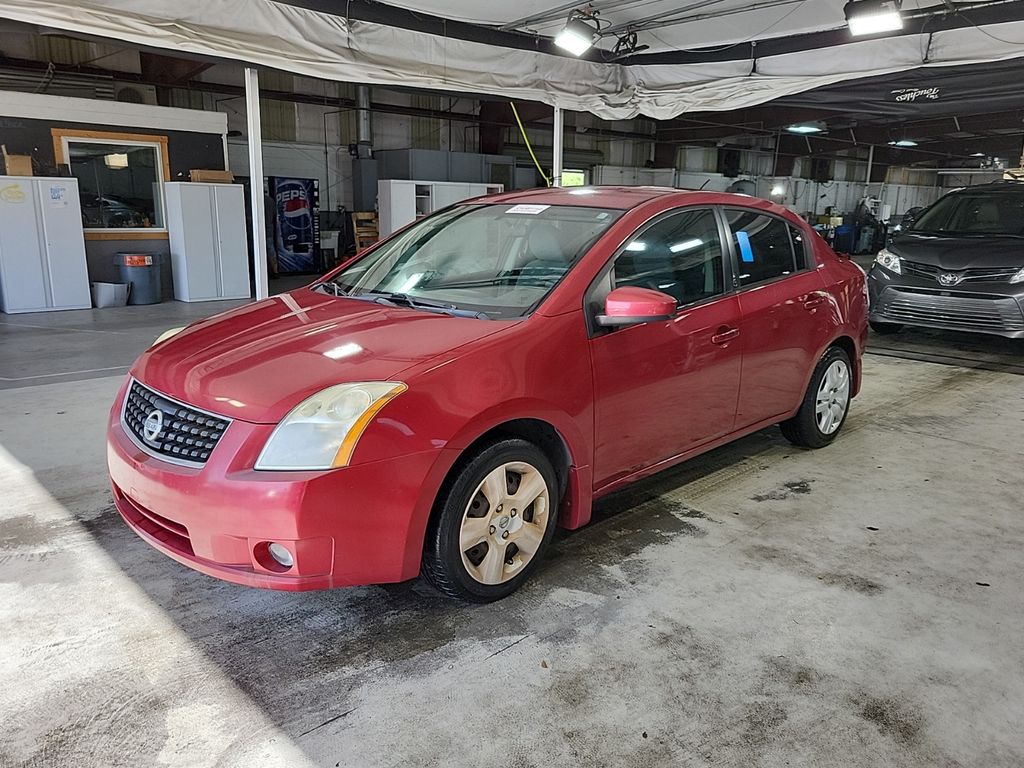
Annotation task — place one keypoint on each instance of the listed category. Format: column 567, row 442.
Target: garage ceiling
column 663, row 25
column 749, row 52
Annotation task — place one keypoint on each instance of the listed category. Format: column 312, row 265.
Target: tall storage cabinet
column 400, row 201
column 209, row 252
column 42, row 246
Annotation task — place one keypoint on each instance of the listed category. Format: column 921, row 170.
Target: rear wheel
column 826, row 402
column 492, row 525
column 885, row 328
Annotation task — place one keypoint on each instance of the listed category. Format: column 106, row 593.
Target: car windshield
column 493, row 261
column 975, row 214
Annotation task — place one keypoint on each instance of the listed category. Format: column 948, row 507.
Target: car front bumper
column 975, row 307
column 361, row 524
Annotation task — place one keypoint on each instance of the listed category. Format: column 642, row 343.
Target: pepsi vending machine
column 296, row 224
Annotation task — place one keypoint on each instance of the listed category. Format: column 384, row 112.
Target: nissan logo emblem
column 153, row 425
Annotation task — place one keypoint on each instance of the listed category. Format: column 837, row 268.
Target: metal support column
column 871, row 163
column 256, row 188
column 556, row 149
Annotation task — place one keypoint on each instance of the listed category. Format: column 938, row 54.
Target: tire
column 885, row 329
column 809, row 430
column 474, row 506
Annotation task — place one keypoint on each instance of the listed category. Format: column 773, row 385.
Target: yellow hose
column 526, row 139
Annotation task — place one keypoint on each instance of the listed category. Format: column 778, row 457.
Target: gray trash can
column 142, row 271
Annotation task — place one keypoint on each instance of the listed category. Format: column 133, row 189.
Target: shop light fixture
column 116, row 160
column 872, row 17
column 903, row 143
column 778, row 191
column 805, row 128
column 578, row 34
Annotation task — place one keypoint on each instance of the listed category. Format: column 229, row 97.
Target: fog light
column 281, row 554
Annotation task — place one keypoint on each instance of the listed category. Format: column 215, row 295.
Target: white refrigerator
column 42, row 246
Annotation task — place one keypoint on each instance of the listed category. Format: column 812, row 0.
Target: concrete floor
column 760, row 606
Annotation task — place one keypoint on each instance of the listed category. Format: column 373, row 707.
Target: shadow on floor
column 303, row 651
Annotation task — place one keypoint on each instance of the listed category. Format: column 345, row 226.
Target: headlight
column 1019, row 277
column 167, row 334
column 889, row 260
column 322, row 431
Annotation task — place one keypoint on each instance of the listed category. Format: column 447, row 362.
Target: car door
column 666, row 386
column 784, row 309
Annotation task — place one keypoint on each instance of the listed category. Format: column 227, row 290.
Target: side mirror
column 633, row 306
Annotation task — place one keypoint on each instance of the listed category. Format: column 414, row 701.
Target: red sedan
column 440, row 403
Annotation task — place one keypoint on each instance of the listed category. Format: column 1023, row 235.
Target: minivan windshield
column 975, row 214
column 488, row 261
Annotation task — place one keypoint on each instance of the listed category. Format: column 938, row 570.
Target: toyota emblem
column 153, row 425
column 949, row 278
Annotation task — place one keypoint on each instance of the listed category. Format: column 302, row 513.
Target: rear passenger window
column 764, row 246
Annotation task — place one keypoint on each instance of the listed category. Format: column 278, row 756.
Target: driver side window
column 681, row 255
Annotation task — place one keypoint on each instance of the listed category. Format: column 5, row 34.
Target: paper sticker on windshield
column 530, row 209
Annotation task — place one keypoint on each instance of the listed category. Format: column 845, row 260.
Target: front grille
column 187, row 435
column 991, row 274
column 996, row 314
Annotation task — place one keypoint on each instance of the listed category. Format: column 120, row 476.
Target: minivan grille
column 186, row 434
column 995, row 314
column 991, row 274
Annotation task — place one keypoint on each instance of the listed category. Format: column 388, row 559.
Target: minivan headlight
column 889, row 260
column 1019, row 277
column 321, row 432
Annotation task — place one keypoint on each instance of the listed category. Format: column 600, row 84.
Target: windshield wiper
column 333, row 288
column 404, row 299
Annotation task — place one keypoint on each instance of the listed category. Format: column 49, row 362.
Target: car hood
column 955, row 253
column 259, row 361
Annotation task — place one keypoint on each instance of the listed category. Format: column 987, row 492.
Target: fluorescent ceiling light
column 576, row 36
column 903, row 143
column 806, row 128
column 871, row 17
column 686, row 245
column 978, row 154
column 116, row 160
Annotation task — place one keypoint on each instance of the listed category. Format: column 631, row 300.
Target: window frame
column 728, row 278
column 63, row 138
column 807, row 262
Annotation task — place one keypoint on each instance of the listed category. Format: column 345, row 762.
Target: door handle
column 725, row 335
column 813, row 300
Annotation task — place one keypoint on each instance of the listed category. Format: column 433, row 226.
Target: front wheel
column 492, row 524
column 825, row 404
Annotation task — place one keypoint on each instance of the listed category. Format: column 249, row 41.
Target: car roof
column 626, row 198
column 993, row 186
column 597, row 196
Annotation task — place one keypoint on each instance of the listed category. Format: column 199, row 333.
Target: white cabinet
column 400, row 202
column 42, row 246
column 209, row 251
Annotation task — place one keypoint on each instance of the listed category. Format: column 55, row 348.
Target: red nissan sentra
column 440, row 403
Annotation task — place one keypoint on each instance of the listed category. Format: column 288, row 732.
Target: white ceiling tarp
column 326, row 46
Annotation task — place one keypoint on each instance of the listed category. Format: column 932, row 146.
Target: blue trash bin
column 142, row 272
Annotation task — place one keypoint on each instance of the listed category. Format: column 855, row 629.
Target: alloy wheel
column 504, row 522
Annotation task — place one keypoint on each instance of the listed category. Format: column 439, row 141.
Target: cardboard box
column 17, row 165
column 211, row 177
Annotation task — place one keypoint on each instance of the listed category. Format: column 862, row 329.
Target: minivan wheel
column 492, row 523
column 826, row 403
column 885, row 328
